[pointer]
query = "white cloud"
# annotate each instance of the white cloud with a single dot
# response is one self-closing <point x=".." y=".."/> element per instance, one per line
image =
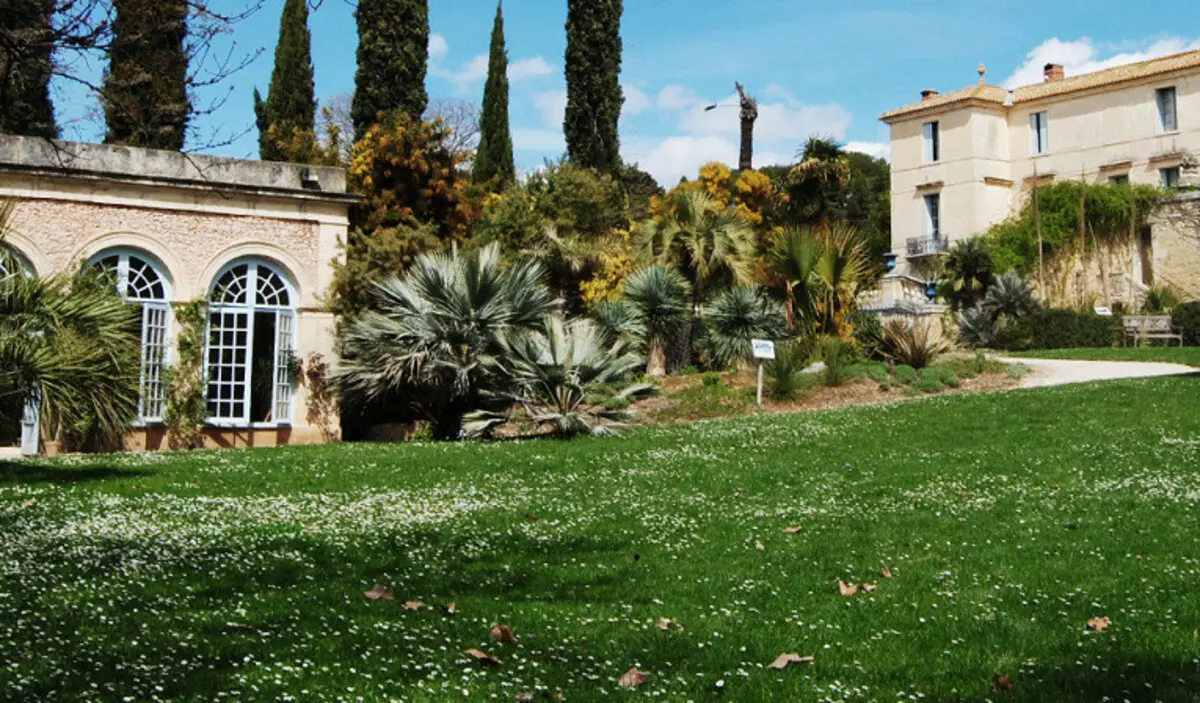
<point x="789" y="120"/>
<point x="676" y="97"/>
<point x="528" y="68"/>
<point x="1084" y="56"/>
<point x="635" y="101"/>
<point x="880" y="150"/>
<point x="677" y="157"/>
<point x="438" y="48"/>
<point x="552" y="105"/>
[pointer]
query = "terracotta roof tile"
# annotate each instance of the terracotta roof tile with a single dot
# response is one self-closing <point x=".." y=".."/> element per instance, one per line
<point x="1086" y="81"/>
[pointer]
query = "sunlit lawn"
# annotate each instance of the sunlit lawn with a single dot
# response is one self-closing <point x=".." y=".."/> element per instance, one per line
<point x="1174" y="355"/>
<point x="1007" y="521"/>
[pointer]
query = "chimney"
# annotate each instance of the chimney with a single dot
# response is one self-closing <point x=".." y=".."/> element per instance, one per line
<point x="927" y="94"/>
<point x="1054" y="72"/>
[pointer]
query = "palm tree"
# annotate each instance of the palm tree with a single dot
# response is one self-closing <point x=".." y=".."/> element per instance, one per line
<point x="737" y="316"/>
<point x="68" y="347"/>
<point x="818" y="180"/>
<point x="553" y="371"/>
<point x="793" y="258"/>
<point x="658" y="296"/>
<point x="1011" y="296"/>
<point x="822" y="271"/>
<point x="968" y="274"/>
<point x="438" y="333"/>
<point x="702" y="237"/>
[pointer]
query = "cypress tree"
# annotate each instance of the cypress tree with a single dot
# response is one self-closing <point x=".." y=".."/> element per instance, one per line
<point x="594" y="99"/>
<point x="145" y="91"/>
<point x="291" y="103"/>
<point x="25" y="54"/>
<point x="393" y="56"/>
<point x="494" y="159"/>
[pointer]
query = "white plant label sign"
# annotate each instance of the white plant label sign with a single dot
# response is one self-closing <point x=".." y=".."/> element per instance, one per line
<point x="763" y="349"/>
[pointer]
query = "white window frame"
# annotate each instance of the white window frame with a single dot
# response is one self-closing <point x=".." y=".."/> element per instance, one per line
<point x="1167" y="109"/>
<point x="155" y="349"/>
<point x="241" y="316"/>
<point x="932" y="135"/>
<point x="18" y="259"/>
<point x="1039" y="133"/>
<point x="1164" y="176"/>
<point x="933" y="215"/>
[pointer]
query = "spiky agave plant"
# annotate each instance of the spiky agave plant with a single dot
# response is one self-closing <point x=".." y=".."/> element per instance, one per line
<point x="553" y="373"/>
<point x="913" y="343"/>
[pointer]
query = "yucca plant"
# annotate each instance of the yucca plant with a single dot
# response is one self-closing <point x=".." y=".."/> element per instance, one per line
<point x="1159" y="299"/>
<point x="786" y="371"/>
<point x="736" y="317"/>
<point x="968" y="273"/>
<point x="977" y="328"/>
<point x="438" y="335"/>
<point x="1011" y="295"/>
<point x="618" y="319"/>
<point x="913" y="343"/>
<point x="552" y="374"/>
<point x="658" y="296"/>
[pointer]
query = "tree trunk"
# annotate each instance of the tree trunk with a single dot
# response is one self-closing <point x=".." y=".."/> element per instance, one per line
<point x="656" y="364"/>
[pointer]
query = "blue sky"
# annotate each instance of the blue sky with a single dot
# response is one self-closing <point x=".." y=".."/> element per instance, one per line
<point x="816" y="67"/>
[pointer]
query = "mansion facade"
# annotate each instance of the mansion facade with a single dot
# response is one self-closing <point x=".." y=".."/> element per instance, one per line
<point x="256" y="241"/>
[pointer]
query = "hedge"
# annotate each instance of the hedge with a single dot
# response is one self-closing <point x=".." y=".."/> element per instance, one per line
<point x="1186" y="319"/>
<point x="1054" y="328"/>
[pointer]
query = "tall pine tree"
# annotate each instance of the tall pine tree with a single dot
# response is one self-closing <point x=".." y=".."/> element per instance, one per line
<point x="291" y="104"/>
<point x="145" y="91"/>
<point x="393" y="56"/>
<point x="494" y="159"/>
<point x="25" y="55"/>
<point x="594" y="96"/>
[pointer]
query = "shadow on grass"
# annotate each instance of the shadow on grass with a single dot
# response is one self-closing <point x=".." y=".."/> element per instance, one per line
<point x="23" y="472"/>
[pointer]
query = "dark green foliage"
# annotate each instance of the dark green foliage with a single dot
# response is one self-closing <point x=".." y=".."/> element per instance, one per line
<point x="145" y="92"/>
<point x="593" y="71"/>
<point x="25" y="63"/>
<point x="494" y="158"/>
<point x="866" y="203"/>
<point x="838" y="355"/>
<point x="1159" y="299"/>
<point x="639" y="188"/>
<point x="968" y="274"/>
<point x="904" y="374"/>
<point x="711" y="378"/>
<point x="1186" y="319"/>
<point x="787" y="370"/>
<point x="877" y="372"/>
<point x="291" y="105"/>
<point x="1012" y="243"/>
<point x="868" y="334"/>
<point x="1056" y="328"/>
<point x="736" y="317"/>
<point x="393" y="57"/>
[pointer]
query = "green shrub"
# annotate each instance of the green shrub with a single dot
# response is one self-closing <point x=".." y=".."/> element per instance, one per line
<point x="944" y="373"/>
<point x="1186" y="318"/>
<point x="905" y="374"/>
<point x="787" y="370"/>
<point x="928" y="382"/>
<point x="868" y="334"/>
<point x="712" y="378"/>
<point x="877" y="373"/>
<point x="689" y="371"/>
<point x="1057" y="328"/>
<point x="1159" y="300"/>
<point x="838" y="355"/>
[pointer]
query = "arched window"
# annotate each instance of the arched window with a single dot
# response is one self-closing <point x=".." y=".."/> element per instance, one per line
<point x="12" y="262"/>
<point x="140" y="280"/>
<point x="251" y="339"/>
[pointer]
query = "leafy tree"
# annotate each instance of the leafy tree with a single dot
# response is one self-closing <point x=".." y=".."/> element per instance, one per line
<point x="657" y="298"/>
<point x="494" y="159"/>
<point x="25" y="64"/>
<point x="146" y="102"/>
<point x="437" y="336"/>
<point x="393" y="57"/>
<point x="967" y="274"/>
<point x="640" y="189"/>
<point x="816" y="182"/>
<point x="552" y="372"/>
<point x="737" y="316"/>
<point x="866" y="204"/>
<point x="290" y="106"/>
<point x="593" y="70"/>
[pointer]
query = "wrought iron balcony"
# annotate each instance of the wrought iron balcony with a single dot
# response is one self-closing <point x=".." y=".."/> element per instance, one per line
<point x="919" y="247"/>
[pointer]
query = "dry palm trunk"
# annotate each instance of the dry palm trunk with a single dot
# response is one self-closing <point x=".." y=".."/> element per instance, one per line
<point x="1037" y="224"/>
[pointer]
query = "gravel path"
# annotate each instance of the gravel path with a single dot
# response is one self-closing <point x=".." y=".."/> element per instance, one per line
<point x="1060" y="372"/>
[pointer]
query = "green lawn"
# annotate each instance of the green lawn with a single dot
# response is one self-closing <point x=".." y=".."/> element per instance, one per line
<point x="1007" y="520"/>
<point x="1175" y="355"/>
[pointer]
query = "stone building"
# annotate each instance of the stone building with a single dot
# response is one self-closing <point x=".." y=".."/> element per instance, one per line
<point x="255" y="240"/>
<point x="966" y="160"/>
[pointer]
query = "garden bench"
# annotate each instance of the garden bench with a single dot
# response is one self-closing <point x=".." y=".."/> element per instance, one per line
<point x="1139" y="328"/>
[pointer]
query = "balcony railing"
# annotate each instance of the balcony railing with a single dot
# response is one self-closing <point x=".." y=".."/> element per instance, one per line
<point x="926" y="246"/>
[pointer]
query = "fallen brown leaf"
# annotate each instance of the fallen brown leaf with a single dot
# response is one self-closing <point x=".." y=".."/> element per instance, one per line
<point x="451" y="608"/>
<point x="524" y="697"/>
<point x="792" y="530"/>
<point x="847" y="589"/>
<point x="482" y="657"/>
<point x="786" y="659"/>
<point x="413" y="605"/>
<point x="632" y="678"/>
<point x="1002" y="682"/>
<point x="668" y="624"/>
<point x="530" y="517"/>
<point x="29" y="503"/>
<point x="759" y="546"/>
<point x="378" y="592"/>
<point x="1098" y="624"/>
<point x="869" y="587"/>
<point x="503" y="633"/>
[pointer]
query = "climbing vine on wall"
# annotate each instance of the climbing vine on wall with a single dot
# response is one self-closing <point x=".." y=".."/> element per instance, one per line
<point x="186" y="410"/>
<point x="322" y="397"/>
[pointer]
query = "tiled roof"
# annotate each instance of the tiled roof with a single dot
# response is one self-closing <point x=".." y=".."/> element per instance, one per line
<point x="998" y="95"/>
